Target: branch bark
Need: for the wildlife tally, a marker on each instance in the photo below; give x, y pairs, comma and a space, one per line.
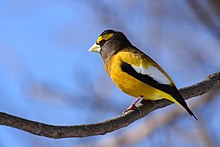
123, 120
150, 125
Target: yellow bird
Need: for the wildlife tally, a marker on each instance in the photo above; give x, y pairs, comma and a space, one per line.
134, 72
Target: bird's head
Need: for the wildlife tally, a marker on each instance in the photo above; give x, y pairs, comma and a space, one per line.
109, 43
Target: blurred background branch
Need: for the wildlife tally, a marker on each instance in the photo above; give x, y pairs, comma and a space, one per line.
209, 18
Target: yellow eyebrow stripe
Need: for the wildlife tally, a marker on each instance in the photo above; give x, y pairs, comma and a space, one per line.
104, 37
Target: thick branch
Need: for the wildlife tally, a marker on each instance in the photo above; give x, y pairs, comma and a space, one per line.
52, 131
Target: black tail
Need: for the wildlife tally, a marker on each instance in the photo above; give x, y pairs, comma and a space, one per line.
190, 112
176, 95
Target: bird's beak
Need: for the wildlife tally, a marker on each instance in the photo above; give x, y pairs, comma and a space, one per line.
95, 48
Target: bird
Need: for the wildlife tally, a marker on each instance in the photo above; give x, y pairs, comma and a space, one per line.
134, 72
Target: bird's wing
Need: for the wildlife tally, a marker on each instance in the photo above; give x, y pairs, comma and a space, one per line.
153, 72
143, 67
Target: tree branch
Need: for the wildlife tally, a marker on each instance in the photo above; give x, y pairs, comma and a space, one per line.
150, 125
53, 131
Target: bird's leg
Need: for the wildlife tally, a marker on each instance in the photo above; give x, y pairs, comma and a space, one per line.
133, 107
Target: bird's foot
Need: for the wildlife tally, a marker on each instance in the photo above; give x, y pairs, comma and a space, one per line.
133, 105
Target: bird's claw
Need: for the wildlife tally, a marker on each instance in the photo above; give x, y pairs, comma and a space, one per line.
132, 107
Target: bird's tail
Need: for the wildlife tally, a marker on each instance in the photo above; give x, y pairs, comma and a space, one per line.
185, 107
190, 112
178, 99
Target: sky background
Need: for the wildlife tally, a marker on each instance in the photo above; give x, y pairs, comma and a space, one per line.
48, 75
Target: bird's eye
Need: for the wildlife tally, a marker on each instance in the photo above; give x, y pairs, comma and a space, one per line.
101, 43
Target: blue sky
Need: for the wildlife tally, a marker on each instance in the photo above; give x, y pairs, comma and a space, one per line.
44, 47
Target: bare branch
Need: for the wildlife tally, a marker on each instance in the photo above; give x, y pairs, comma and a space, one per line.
53, 131
148, 127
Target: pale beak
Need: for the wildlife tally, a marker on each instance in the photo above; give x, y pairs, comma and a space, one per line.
95, 48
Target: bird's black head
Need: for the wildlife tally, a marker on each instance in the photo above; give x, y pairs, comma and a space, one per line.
109, 43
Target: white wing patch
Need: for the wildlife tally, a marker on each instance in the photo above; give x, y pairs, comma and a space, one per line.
153, 72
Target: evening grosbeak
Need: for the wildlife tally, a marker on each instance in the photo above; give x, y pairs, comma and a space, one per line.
134, 72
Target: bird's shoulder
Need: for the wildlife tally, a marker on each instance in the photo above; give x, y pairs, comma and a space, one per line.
134, 56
